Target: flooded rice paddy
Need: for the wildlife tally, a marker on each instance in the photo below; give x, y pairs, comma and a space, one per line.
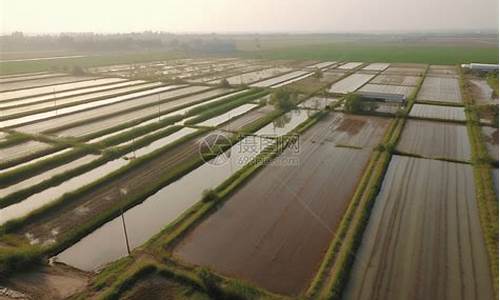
423, 243
274, 230
350, 83
447, 113
157, 211
435, 140
441, 89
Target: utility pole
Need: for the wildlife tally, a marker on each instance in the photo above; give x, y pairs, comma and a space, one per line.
123, 192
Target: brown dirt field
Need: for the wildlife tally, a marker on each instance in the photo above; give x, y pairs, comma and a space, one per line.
47, 283
423, 239
435, 140
275, 229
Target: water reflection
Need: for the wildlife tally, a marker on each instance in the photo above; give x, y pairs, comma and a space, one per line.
107, 243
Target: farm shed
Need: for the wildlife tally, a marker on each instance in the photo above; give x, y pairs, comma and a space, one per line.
382, 97
481, 67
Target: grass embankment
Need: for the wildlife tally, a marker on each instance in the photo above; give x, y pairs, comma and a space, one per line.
486, 197
334, 271
193, 283
440, 103
88, 61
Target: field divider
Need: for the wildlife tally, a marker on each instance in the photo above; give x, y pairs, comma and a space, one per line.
440, 103
447, 159
486, 198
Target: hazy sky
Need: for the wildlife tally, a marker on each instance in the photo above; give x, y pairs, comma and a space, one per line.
38, 16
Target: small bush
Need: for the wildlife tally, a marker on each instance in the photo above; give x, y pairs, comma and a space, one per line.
224, 84
18, 259
354, 104
318, 74
209, 196
401, 113
77, 71
210, 283
284, 99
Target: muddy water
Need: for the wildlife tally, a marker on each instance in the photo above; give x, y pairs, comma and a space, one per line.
276, 228
228, 115
53, 193
435, 140
284, 124
107, 243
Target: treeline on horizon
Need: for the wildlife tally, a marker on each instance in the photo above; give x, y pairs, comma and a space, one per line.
91, 42
208, 43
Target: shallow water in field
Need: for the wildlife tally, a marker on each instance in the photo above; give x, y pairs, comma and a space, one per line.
216, 121
80, 107
107, 243
51, 194
285, 123
30, 91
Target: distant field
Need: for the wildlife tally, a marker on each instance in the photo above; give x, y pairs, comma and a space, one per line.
425, 52
13, 67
